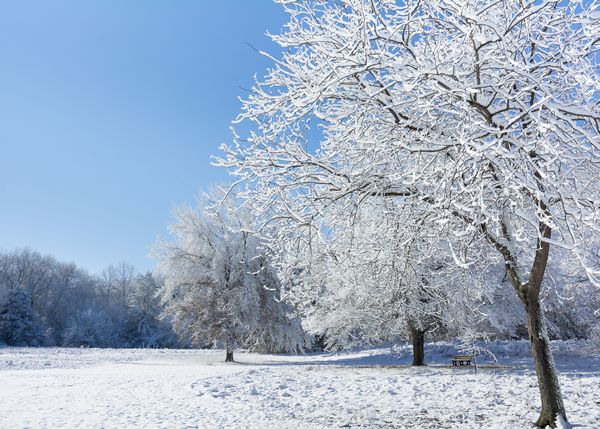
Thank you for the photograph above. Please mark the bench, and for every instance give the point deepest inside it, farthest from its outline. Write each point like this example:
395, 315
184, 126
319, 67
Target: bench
461, 360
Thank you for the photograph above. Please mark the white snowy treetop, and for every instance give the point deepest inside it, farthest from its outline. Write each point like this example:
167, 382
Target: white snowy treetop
479, 117
218, 286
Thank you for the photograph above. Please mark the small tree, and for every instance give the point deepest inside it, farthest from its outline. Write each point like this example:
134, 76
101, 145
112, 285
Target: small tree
219, 287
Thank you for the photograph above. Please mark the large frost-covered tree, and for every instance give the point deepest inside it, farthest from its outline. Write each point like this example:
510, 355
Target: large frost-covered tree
379, 279
478, 116
220, 289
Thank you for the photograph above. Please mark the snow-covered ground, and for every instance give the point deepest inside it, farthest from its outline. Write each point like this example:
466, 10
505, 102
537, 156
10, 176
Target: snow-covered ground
88, 388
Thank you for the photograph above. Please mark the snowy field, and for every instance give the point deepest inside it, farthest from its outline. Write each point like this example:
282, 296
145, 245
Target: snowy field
90, 388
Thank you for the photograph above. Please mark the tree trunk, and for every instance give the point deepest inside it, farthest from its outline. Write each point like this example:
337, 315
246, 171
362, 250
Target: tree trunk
418, 340
229, 356
529, 293
552, 403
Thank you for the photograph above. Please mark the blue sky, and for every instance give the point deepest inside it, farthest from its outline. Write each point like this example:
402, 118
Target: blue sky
109, 113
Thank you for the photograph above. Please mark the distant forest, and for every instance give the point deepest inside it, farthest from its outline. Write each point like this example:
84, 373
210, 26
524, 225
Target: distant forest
44, 302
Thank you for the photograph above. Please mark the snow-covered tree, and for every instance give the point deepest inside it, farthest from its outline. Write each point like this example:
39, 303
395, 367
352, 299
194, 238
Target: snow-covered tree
91, 327
503, 315
18, 323
25, 268
219, 288
116, 283
145, 326
573, 302
379, 279
481, 116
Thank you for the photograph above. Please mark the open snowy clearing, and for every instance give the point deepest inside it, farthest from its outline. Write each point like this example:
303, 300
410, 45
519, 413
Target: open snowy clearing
75, 388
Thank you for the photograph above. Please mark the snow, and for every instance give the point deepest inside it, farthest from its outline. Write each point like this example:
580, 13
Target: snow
69, 388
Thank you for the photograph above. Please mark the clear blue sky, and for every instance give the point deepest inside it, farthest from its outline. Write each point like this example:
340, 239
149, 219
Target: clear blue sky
109, 113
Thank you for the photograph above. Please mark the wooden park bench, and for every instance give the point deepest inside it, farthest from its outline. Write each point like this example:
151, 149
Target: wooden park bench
461, 360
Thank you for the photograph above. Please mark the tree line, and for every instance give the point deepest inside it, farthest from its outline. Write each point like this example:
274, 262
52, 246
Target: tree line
44, 302
215, 285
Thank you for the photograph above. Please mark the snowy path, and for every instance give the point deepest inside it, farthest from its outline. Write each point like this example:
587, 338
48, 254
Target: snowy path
180, 389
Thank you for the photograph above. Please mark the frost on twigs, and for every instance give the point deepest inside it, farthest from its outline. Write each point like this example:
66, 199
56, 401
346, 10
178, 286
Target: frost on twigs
219, 286
481, 117
478, 119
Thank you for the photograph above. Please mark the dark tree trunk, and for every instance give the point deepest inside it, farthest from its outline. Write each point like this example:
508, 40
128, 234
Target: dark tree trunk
418, 340
229, 356
552, 402
529, 292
